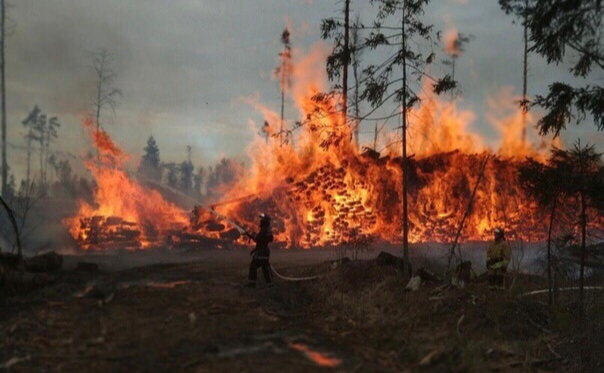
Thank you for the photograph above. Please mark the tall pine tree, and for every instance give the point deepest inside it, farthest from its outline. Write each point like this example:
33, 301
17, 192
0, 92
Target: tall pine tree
150, 164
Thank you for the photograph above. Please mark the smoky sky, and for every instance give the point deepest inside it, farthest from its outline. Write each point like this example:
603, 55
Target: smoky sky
185, 66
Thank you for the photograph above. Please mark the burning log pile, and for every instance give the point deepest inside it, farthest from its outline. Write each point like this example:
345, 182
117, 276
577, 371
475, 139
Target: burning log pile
102, 231
338, 214
334, 204
320, 196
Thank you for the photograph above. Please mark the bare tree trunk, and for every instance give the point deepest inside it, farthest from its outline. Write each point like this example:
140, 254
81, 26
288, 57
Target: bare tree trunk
346, 60
524, 72
465, 215
13, 221
99, 96
282, 102
375, 136
549, 252
98, 112
28, 180
584, 331
453, 58
583, 244
405, 160
42, 160
46, 152
3, 89
355, 72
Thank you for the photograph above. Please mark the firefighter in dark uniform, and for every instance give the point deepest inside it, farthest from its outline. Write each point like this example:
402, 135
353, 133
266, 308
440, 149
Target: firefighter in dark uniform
260, 254
498, 258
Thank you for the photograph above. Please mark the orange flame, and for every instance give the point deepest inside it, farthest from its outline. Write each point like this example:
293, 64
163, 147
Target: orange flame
122, 208
321, 197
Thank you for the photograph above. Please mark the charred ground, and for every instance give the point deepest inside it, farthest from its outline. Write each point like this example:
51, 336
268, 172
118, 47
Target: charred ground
196, 316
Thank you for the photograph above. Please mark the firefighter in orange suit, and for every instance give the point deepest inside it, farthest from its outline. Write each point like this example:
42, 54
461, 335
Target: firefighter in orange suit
498, 259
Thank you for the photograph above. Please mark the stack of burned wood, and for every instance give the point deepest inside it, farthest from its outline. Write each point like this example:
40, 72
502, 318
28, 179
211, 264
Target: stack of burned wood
19, 274
108, 231
328, 183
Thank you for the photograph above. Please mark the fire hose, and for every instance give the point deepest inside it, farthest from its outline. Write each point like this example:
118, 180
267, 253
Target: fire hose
244, 231
239, 228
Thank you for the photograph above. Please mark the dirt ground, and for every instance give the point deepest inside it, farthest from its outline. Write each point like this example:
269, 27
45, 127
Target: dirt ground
196, 315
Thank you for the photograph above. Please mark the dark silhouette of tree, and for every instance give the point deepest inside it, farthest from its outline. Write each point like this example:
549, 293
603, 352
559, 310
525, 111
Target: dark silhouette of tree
29, 123
44, 132
39, 132
356, 51
224, 173
150, 164
50, 136
198, 180
85, 189
11, 189
521, 8
3, 93
383, 84
454, 49
339, 60
64, 173
186, 169
265, 131
557, 28
583, 171
284, 73
171, 174
544, 184
106, 94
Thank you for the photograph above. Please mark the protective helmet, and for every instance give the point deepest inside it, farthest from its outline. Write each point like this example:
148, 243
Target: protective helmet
499, 231
265, 220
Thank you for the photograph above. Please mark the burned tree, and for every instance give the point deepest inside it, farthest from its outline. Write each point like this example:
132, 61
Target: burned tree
338, 61
44, 132
186, 169
3, 93
30, 136
583, 172
50, 136
106, 94
555, 28
544, 183
521, 9
150, 164
356, 51
381, 79
455, 44
39, 132
283, 73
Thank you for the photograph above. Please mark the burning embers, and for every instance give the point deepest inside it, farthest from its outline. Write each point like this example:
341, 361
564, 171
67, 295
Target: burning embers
360, 199
320, 196
124, 213
335, 210
113, 231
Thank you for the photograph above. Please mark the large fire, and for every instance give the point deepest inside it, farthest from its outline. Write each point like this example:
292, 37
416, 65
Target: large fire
323, 195
125, 214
